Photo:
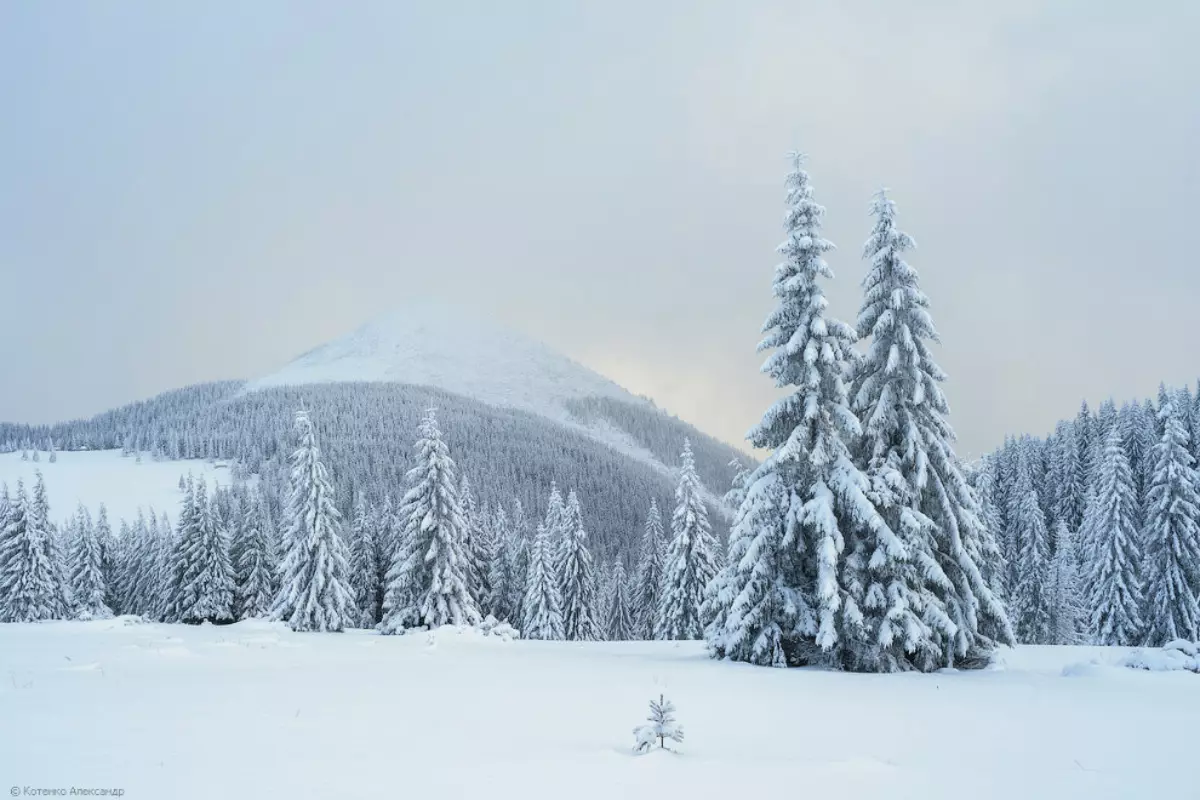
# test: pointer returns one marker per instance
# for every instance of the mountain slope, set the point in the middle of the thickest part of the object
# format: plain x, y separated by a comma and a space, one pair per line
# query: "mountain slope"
516, 416
431, 345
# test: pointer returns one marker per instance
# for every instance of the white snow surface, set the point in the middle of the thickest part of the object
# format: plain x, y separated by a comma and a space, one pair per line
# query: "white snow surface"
429, 344
92, 477
253, 710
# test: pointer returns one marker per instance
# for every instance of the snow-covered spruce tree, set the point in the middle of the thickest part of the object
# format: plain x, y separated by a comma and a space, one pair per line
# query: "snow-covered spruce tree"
649, 578
986, 491
256, 566
428, 582
577, 578
1115, 585
1172, 536
1031, 597
364, 566
1069, 478
1067, 614
87, 573
896, 393
620, 626
29, 589
737, 489
40, 517
206, 583
542, 606
476, 547
779, 599
314, 592
503, 589
662, 726
109, 558
690, 563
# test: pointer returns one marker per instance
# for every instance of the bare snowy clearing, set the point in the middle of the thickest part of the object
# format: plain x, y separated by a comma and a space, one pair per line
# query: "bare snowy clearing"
122, 483
253, 710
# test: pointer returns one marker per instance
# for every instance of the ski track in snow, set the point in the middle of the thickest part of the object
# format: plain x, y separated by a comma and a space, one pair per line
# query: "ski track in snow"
255, 711
92, 477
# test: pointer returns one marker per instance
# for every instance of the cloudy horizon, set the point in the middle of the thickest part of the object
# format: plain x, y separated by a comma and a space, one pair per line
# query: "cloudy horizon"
195, 194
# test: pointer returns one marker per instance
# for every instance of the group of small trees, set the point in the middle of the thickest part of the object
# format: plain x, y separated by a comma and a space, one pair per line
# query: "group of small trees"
857, 542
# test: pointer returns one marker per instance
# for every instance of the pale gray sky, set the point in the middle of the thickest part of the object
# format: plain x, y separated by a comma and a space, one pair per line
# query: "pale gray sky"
198, 192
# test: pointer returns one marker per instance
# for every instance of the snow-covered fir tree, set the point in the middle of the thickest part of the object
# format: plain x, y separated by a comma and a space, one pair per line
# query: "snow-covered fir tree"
1115, 585
620, 626
504, 590
314, 592
1067, 612
40, 516
428, 582
921, 569
256, 565
476, 544
648, 581
577, 578
203, 579
29, 582
542, 606
364, 567
87, 573
779, 599
1031, 600
1172, 534
690, 563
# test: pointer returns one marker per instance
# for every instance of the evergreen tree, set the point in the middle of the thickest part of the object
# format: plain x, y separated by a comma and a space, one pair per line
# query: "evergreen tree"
364, 566
649, 579
690, 563
87, 573
577, 578
205, 574
1031, 600
780, 599
1172, 535
428, 583
620, 627
257, 566
542, 608
475, 545
62, 603
1115, 586
314, 594
923, 592
109, 558
504, 591
29, 587
1066, 601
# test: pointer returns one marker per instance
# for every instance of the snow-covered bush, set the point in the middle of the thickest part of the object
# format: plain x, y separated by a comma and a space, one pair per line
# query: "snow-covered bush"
494, 627
661, 727
1173, 656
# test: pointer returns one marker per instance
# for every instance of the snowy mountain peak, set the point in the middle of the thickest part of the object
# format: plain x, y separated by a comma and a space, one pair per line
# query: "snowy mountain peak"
433, 345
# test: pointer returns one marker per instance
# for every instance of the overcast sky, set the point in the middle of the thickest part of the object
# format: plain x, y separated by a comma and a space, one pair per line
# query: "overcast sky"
199, 192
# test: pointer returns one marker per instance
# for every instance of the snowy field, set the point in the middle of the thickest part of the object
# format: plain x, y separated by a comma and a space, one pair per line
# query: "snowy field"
255, 711
105, 476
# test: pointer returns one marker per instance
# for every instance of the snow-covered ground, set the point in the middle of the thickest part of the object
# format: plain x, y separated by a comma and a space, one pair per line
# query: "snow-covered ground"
105, 476
255, 711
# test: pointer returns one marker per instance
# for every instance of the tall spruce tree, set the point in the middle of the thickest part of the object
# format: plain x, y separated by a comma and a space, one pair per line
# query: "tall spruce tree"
542, 606
257, 565
690, 563
429, 582
29, 582
504, 590
1172, 534
202, 583
924, 592
1115, 585
824, 496
314, 592
620, 627
648, 581
1063, 588
364, 566
1031, 599
87, 572
577, 578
